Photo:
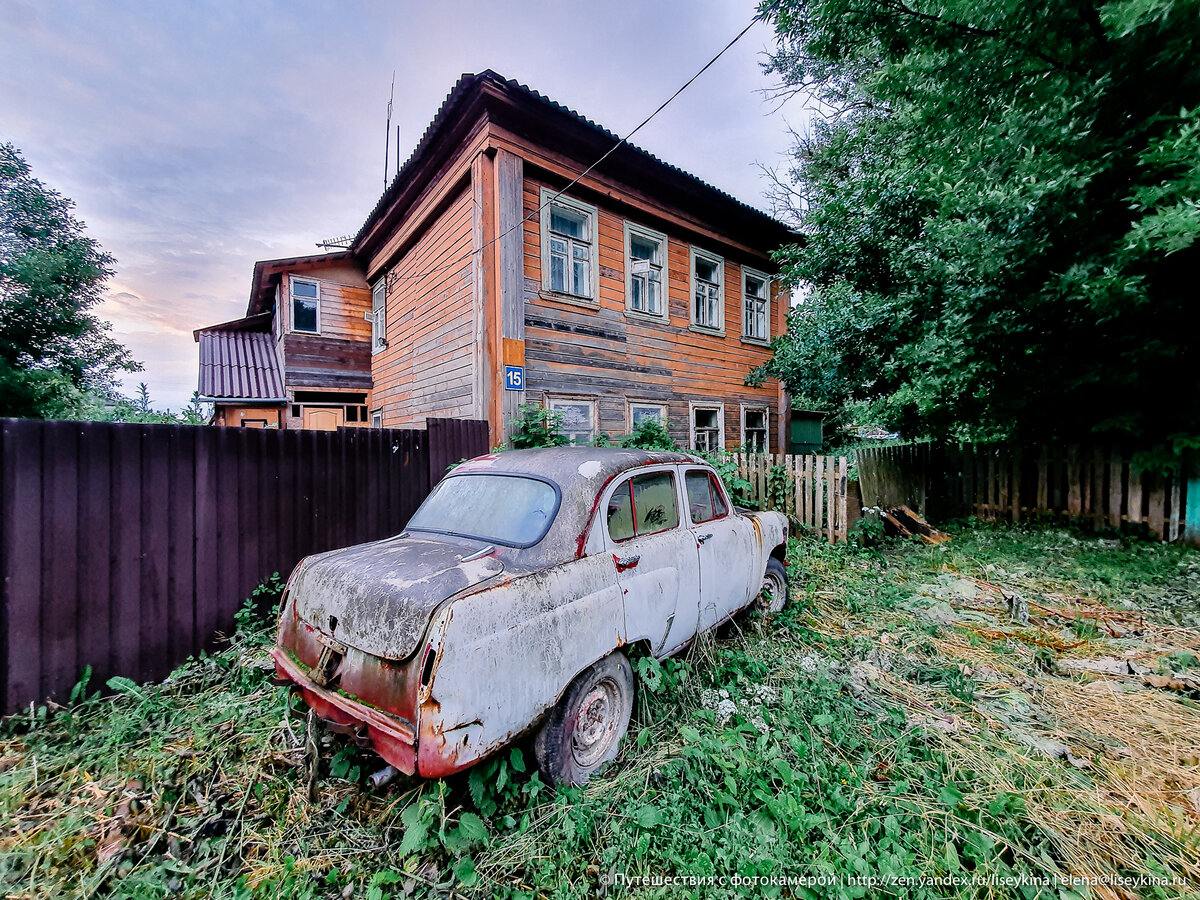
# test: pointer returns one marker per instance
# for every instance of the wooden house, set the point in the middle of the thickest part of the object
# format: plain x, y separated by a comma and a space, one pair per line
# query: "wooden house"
518, 257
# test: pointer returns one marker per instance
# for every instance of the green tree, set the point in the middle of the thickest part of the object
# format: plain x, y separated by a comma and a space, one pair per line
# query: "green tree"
999, 212
53, 349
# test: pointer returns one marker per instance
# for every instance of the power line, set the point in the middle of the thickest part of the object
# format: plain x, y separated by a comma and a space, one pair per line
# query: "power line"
535, 212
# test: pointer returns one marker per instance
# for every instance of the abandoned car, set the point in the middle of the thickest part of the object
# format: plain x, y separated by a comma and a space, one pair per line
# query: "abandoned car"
514, 600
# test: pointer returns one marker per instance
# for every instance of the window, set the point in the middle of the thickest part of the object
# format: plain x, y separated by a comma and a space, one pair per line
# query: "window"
578, 419
645, 504
356, 414
705, 500
708, 276
754, 430
645, 257
708, 428
377, 418
641, 412
569, 265
756, 308
378, 315
519, 509
306, 306
254, 423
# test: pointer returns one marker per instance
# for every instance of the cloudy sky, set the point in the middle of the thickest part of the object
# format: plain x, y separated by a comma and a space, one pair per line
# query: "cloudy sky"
198, 137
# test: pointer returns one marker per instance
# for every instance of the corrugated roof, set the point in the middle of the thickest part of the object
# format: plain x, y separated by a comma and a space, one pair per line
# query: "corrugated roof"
463, 87
239, 365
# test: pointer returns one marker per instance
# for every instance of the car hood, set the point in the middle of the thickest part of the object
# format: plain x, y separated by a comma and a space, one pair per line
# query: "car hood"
378, 597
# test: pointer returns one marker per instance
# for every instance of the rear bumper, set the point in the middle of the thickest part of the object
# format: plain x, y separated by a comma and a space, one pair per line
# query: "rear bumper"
392, 739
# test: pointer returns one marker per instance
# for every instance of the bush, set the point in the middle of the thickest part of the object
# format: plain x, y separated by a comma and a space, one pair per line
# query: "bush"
651, 434
536, 427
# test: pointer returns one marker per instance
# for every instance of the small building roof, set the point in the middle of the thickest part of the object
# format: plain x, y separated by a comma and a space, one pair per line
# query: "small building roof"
239, 365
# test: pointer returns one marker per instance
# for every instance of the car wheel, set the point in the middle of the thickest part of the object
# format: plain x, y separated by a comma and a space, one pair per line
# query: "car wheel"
585, 728
772, 596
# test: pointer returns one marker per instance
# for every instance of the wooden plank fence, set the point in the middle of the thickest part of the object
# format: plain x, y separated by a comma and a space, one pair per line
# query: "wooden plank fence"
128, 547
1096, 484
813, 491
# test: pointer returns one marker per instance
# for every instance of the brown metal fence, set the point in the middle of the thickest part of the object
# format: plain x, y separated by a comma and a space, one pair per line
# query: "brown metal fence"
128, 547
1096, 484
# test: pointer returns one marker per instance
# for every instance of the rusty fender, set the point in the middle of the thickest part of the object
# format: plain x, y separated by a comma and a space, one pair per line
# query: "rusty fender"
503, 656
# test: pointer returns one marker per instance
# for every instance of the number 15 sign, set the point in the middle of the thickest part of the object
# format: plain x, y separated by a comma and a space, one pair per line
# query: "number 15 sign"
514, 378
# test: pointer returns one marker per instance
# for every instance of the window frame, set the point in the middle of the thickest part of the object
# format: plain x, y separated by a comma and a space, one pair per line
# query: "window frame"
549, 198
575, 399
630, 404
632, 230
376, 417
378, 316
695, 405
766, 411
694, 254
714, 483
627, 483
748, 272
292, 281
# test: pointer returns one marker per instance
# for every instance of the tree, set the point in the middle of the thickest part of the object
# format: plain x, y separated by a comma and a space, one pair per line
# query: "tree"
999, 212
53, 349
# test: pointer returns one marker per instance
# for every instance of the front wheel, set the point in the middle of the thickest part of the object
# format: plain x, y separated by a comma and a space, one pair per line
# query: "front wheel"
585, 728
772, 596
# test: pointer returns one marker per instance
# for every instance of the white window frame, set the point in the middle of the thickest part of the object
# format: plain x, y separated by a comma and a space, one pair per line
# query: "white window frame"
577, 401
694, 254
766, 411
633, 230
766, 280
292, 281
629, 407
720, 408
378, 315
377, 417
553, 198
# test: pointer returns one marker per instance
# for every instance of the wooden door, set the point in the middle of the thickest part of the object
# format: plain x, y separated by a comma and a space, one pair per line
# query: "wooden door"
323, 418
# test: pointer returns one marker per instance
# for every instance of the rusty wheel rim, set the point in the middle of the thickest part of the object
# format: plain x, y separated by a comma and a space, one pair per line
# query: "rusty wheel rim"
596, 723
773, 593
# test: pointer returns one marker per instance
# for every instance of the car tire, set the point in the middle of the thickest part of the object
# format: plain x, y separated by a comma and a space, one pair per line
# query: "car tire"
772, 596
584, 729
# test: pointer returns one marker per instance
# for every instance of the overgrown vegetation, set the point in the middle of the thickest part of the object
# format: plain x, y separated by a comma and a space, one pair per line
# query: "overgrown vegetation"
917, 712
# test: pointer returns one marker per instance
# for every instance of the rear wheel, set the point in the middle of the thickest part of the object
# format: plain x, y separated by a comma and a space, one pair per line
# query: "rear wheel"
585, 728
772, 596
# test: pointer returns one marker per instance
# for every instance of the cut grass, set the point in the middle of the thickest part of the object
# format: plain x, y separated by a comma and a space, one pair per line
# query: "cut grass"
894, 721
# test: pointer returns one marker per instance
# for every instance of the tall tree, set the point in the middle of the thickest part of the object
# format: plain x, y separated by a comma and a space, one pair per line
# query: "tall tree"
52, 346
1000, 211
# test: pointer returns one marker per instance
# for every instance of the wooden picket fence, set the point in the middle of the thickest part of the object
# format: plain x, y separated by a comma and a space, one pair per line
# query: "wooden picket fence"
1095, 484
813, 491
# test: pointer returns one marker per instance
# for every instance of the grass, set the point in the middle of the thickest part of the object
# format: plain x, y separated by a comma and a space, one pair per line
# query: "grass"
947, 717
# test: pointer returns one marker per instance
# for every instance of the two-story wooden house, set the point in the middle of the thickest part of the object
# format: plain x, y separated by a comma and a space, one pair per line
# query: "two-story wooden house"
517, 256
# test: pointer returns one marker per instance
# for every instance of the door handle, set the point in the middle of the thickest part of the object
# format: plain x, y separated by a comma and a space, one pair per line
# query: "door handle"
626, 562
701, 538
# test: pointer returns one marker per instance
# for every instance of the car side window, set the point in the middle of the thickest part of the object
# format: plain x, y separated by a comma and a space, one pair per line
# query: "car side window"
645, 504
705, 501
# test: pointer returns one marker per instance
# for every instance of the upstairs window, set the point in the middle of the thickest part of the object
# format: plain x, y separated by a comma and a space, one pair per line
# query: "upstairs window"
754, 430
568, 247
645, 252
756, 309
378, 315
707, 291
306, 306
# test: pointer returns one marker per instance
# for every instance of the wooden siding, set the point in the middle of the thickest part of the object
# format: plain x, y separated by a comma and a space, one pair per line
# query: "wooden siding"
427, 369
318, 361
613, 356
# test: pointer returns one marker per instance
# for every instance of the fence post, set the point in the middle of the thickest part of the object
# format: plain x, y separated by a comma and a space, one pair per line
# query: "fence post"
843, 530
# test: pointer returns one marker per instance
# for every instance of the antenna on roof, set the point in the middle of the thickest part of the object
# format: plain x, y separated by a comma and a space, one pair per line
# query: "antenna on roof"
387, 134
337, 243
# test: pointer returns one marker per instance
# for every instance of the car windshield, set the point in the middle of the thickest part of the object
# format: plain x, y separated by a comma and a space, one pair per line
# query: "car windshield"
500, 509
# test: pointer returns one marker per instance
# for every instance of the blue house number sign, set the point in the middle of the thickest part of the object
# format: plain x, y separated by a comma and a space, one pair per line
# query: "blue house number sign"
514, 378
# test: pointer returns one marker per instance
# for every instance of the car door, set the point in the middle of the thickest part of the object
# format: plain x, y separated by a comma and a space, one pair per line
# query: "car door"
725, 544
656, 558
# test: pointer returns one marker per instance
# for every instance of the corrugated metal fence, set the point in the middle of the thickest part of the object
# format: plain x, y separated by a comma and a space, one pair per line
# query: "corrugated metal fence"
128, 547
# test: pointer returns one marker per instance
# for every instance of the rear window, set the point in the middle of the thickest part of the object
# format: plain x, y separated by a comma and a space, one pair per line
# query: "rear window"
500, 509
643, 505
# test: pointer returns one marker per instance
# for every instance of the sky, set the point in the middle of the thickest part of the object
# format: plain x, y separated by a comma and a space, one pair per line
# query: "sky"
198, 137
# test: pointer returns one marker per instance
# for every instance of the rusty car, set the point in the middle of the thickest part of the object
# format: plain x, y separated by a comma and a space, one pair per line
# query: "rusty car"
513, 601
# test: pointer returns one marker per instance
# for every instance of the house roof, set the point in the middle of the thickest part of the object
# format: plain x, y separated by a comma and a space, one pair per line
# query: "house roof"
461, 102
267, 273
259, 322
239, 365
